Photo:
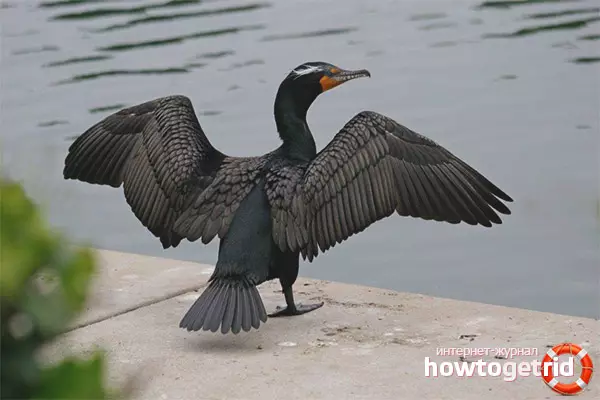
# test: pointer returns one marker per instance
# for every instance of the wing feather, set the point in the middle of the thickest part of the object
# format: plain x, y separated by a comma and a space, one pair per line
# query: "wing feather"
372, 168
176, 183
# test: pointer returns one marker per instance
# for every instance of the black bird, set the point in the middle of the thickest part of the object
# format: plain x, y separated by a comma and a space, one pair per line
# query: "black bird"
268, 210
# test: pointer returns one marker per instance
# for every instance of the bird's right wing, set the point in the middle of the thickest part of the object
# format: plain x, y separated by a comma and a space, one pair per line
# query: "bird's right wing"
373, 167
160, 154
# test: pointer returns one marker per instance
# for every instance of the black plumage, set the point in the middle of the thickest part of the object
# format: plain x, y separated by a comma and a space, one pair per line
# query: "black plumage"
268, 210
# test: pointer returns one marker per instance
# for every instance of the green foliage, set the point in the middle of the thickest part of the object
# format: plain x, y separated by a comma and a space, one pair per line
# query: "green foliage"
43, 286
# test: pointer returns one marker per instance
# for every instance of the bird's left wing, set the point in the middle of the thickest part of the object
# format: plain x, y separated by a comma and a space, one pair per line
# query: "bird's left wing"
373, 167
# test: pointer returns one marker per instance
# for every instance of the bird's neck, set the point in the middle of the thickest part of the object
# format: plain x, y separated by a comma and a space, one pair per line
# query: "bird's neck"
290, 117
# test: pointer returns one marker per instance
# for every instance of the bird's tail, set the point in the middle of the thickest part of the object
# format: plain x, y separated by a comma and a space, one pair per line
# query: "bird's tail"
232, 303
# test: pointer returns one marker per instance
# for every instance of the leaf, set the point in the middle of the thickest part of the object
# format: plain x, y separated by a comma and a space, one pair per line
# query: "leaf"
44, 285
25, 244
74, 379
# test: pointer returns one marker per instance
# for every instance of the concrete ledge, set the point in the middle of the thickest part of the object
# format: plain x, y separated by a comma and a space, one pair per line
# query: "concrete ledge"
365, 343
126, 282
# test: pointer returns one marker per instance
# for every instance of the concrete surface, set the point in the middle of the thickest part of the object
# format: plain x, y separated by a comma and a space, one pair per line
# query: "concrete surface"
365, 343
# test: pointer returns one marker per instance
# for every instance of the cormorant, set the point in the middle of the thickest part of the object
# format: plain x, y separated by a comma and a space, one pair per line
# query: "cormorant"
268, 210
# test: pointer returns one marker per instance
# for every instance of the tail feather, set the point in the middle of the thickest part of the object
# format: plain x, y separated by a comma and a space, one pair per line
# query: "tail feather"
230, 303
258, 311
210, 317
237, 319
229, 311
247, 313
198, 315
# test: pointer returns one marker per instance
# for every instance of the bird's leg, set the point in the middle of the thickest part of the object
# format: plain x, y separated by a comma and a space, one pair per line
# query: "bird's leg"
293, 308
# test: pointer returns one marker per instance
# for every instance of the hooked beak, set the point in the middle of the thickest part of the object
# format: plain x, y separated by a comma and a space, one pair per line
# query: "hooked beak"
339, 76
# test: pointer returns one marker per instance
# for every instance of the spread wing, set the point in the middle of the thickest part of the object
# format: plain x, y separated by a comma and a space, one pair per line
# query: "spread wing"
373, 167
159, 153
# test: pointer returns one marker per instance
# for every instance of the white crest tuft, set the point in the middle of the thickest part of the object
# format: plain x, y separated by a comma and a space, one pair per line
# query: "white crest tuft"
305, 69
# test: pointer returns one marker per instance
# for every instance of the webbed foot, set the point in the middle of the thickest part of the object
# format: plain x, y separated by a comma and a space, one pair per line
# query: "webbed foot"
295, 309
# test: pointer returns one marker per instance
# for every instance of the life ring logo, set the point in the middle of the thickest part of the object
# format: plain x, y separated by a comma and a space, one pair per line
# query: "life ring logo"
549, 363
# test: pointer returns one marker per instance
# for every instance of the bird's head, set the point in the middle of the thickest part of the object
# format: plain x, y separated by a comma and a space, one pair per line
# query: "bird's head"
320, 76
305, 82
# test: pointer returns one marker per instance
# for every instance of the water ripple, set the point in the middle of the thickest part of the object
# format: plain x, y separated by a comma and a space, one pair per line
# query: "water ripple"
216, 54
40, 49
112, 107
589, 37
564, 13
178, 16
427, 16
77, 60
194, 65
515, 3
209, 113
66, 3
586, 60
47, 124
559, 24
323, 32
438, 25
542, 28
121, 72
244, 64
109, 11
178, 39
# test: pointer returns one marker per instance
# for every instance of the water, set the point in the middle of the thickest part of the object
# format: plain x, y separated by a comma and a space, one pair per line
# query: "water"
511, 87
